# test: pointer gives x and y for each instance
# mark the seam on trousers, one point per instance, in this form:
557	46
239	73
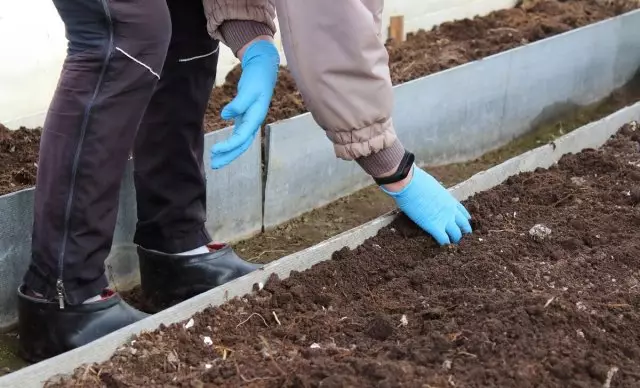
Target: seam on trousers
199	56
83	130
139	62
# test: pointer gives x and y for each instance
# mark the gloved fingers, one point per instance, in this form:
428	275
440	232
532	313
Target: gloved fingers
464	211
463	222
454	232
439	235
241	133
219	160
248	124
239	105
257	112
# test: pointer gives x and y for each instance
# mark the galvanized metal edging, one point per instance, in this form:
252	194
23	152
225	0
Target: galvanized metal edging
590	136
460	113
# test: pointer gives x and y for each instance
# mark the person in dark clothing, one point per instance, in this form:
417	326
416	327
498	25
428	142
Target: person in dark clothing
137	78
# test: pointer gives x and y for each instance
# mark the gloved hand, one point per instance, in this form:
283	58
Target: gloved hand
425	201
260	65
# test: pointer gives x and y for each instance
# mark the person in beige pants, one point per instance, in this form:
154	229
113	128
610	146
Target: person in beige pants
348	90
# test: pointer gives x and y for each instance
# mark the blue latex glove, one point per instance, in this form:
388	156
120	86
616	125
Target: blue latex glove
260	65
425	201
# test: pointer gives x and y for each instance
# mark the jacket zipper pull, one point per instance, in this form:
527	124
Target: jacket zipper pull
60	289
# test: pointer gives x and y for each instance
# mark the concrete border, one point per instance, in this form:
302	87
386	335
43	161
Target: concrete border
589	136
460	113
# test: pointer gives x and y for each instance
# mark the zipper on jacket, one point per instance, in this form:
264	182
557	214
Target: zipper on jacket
59	283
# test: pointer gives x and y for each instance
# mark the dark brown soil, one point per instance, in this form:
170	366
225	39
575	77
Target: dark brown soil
454	43
446	46
507	307
18	158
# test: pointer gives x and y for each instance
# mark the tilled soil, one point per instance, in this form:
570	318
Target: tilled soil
545	293
425	52
18	158
446	46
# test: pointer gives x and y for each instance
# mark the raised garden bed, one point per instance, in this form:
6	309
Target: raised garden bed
423	53
592	135
544	293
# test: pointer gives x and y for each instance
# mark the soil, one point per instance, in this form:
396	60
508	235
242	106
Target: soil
9	361
544	293
445	46
18	158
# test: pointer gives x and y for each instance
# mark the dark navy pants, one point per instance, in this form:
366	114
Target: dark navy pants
136	79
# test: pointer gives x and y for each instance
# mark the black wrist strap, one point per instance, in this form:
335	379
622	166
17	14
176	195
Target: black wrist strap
402	172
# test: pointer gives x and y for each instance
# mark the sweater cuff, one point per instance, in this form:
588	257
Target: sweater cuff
384	161
237	33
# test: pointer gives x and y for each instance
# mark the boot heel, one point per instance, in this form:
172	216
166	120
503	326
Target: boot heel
168	279
46	330
35	342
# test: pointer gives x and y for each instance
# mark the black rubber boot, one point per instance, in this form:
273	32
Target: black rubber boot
169	279
46	330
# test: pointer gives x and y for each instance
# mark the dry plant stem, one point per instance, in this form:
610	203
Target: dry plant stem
549	302
250	316
276	317
266	344
610	374
253	259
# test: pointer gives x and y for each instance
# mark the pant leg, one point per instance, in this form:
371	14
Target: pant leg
169	147
115	55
